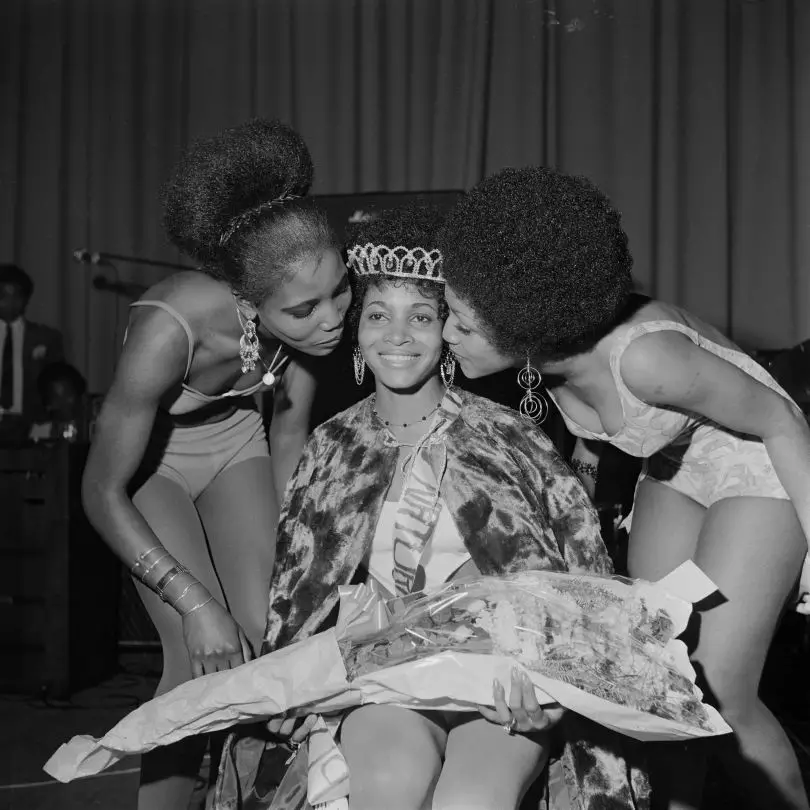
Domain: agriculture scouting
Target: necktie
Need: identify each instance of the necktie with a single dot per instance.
(7, 385)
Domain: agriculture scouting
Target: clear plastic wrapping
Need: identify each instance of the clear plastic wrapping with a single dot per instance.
(610, 638)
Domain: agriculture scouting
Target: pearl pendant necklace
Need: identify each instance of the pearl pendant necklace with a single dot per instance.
(406, 424)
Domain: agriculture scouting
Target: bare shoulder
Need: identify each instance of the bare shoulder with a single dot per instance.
(197, 297)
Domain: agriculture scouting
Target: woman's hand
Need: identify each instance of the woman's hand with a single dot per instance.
(215, 642)
(523, 714)
(285, 728)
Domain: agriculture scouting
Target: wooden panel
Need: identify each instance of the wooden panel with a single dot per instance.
(52, 565)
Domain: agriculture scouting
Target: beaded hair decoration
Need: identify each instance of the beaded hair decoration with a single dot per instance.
(411, 263)
(246, 216)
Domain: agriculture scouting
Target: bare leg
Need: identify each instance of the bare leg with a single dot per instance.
(753, 549)
(240, 514)
(484, 768)
(168, 774)
(394, 757)
(665, 532)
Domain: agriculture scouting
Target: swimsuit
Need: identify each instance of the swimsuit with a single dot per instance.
(692, 454)
(193, 456)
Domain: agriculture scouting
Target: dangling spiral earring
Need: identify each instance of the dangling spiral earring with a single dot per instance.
(447, 368)
(532, 406)
(248, 343)
(359, 365)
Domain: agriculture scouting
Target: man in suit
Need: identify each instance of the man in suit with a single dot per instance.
(26, 348)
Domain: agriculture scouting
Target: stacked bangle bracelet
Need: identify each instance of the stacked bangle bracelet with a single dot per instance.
(170, 580)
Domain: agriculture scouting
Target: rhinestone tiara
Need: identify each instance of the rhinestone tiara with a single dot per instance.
(413, 263)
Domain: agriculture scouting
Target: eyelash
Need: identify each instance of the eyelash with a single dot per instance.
(372, 317)
(341, 291)
(463, 329)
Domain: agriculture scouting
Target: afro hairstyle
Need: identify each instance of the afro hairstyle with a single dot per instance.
(541, 258)
(236, 173)
(411, 225)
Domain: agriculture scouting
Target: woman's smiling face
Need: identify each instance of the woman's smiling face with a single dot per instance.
(400, 334)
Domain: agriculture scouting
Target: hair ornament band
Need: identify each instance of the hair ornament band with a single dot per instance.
(251, 213)
(381, 260)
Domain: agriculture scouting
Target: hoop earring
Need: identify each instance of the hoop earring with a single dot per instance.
(532, 406)
(359, 365)
(248, 343)
(447, 368)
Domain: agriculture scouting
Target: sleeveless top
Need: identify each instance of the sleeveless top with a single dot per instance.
(692, 453)
(185, 399)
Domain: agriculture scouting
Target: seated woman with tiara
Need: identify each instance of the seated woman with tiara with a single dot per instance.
(180, 482)
(502, 501)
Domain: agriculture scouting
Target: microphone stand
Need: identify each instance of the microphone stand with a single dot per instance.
(142, 260)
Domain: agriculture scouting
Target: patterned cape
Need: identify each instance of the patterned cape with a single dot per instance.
(516, 505)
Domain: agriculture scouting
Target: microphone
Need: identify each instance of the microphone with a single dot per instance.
(84, 256)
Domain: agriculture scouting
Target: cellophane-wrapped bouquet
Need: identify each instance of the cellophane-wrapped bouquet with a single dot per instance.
(611, 639)
(606, 648)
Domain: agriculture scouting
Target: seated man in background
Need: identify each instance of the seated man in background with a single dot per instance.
(25, 349)
(62, 392)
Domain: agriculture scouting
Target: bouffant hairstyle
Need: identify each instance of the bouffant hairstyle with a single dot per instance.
(235, 204)
(12, 274)
(542, 260)
(412, 225)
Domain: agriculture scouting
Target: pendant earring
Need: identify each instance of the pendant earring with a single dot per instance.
(447, 368)
(532, 406)
(248, 343)
(359, 365)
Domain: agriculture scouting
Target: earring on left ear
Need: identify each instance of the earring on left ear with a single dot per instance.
(532, 406)
(447, 368)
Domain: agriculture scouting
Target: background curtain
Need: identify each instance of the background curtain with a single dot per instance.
(694, 116)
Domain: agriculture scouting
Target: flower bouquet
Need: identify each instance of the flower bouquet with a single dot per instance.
(609, 639)
(606, 648)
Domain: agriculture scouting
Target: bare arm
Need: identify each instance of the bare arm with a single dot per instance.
(669, 369)
(153, 360)
(289, 427)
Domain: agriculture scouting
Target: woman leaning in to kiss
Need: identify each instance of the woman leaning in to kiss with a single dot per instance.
(502, 501)
(180, 482)
(538, 277)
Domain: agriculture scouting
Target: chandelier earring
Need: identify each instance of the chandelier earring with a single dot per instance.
(359, 365)
(447, 367)
(248, 343)
(533, 406)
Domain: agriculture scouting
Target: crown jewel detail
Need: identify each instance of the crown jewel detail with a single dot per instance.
(413, 263)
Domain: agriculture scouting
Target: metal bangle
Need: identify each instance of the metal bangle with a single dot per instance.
(143, 555)
(172, 573)
(187, 589)
(198, 606)
(143, 574)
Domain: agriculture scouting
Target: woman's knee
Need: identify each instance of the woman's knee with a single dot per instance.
(393, 755)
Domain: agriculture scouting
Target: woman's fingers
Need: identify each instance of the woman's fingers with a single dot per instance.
(197, 668)
(529, 695)
(302, 732)
(490, 714)
(499, 701)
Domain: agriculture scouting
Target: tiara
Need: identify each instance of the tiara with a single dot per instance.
(414, 263)
(251, 213)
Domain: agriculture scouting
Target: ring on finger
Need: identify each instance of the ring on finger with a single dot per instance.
(509, 727)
